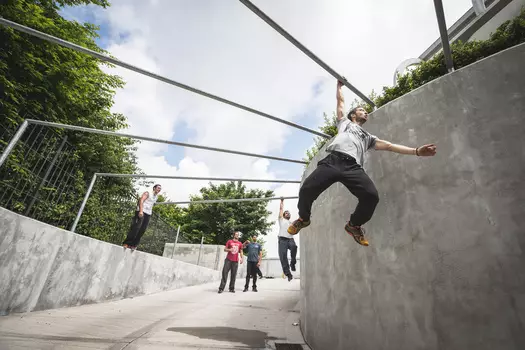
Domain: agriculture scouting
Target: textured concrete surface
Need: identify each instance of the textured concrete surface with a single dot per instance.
(43, 267)
(187, 318)
(212, 256)
(445, 268)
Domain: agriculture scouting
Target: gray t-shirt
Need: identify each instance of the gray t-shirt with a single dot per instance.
(253, 251)
(353, 140)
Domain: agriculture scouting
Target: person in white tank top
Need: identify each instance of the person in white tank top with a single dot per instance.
(140, 221)
(286, 242)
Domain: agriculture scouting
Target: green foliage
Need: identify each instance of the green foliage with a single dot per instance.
(509, 34)
(218, 221)
(173, 214)
(45, 81)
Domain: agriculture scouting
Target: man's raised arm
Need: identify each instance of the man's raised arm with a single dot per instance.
(281, 208)
(423, 151)
(340, 101)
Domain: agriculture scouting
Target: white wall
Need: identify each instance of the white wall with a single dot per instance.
(509, 12)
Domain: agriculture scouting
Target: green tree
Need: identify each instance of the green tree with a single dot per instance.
(45, 81)
(218, 221)
(173, 214)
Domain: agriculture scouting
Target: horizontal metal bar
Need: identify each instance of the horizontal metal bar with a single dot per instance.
(122, 64)
(142, 176)
(183, 144)
(211, 201)
(305, 50)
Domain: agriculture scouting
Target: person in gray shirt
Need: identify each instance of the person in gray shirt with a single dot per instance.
(344, 164)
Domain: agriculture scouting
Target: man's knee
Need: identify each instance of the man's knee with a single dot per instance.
(371, 196)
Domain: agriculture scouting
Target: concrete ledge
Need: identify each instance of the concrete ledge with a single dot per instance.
(43, 267)
(445, 266)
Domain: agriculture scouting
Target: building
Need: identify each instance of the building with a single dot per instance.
(482, 19)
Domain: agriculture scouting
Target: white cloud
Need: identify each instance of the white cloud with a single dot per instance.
(222, 48)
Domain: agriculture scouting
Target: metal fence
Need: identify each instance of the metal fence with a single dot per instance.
(42, 179)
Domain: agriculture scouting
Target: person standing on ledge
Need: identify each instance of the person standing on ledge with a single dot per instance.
(140, 221)
(231, 263)
(286, 242)
(254, 261)
(344, 164)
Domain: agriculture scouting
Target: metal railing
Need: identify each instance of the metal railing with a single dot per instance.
(41, 180)
(163, 79)
(41, 177)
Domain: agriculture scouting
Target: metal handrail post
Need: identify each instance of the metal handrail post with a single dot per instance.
(86, 197)
(11, 145)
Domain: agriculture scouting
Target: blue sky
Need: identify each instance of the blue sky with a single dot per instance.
(295, 144)
(222, 48)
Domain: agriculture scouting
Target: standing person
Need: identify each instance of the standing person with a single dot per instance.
(344, 164)
(286, 242)
(254, 261)
(231, 263)
(140, 221)
(258, 269)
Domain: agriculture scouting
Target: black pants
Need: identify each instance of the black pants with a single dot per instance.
(251, 272)
(284, 245)
(337, 167)
(229, 266)
(137, 229)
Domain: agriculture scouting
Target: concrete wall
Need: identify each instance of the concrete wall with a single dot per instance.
(43, 267)
(212, 256)
(445, 268)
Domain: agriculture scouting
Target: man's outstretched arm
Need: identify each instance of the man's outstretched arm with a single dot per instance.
(340, 101)
(423, 151)
(281, 208)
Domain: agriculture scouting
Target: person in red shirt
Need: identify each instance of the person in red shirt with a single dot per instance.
(231, 263)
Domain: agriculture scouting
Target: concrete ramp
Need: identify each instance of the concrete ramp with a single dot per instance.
(184, 319)
(43, 267)
(446, 266)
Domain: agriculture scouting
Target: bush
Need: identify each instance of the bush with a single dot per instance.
(509, 34)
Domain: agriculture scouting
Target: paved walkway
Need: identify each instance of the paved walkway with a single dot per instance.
(189, 318)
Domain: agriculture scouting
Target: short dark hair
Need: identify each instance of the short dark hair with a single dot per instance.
(157, 185)
(352, 111)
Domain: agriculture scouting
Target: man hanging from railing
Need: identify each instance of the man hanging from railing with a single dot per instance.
(286, 242)
(344, 164)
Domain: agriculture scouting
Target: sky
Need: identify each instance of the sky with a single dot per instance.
(223, 48)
